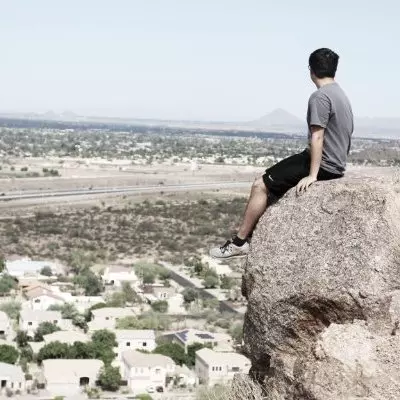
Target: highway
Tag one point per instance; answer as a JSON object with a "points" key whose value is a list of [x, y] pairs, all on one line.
{"points": [[41, 194]]}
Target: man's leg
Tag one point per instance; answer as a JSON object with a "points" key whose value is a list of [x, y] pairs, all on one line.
{"points": [[256, 206], [276, 181]]}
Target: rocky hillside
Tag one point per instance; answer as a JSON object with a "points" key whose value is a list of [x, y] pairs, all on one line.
{"points": [[323, 289]]}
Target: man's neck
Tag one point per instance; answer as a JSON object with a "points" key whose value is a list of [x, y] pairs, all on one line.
{"points": [[324, 81]]}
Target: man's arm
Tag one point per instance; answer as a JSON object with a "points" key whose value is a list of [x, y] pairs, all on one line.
{"points": [[316, 144]]}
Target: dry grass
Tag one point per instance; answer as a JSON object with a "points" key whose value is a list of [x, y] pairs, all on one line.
{"points": [[161, 229]]}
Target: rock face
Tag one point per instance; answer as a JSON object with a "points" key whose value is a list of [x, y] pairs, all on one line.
{"points": [[323, 287]]}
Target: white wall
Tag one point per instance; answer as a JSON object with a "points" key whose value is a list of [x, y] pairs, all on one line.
{"points": [[135, 344], [141, 378], [42, 303]]}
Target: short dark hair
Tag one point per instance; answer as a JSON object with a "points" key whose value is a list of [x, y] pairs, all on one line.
{"points": [[323, 63]]}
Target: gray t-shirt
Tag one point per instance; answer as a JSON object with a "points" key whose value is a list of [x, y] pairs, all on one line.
{"points": [[330, 108]]}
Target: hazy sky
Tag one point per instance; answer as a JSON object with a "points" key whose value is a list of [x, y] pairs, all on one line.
{"points": [[194, 59]]}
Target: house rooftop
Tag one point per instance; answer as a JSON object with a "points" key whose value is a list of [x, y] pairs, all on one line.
{"points": [[11, 372], [211, 357], [69, 371], [116, 312], [137, 359], [41, 291], [193, 335], [146, 334], [26, 266], [119, 269], [66, 337], [40, 316]]}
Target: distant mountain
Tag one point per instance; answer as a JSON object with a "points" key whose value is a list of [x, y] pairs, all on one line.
{"points": [[278, 118]]}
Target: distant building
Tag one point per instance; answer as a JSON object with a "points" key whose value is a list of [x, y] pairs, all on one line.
{"points": [[68, 337], [133, 339], [12, 378], [29, 320], [218, 368], [27, 267], [107, 317], [69, 377], [41, 298], [116, 275], [144, 371], [188, 337]]}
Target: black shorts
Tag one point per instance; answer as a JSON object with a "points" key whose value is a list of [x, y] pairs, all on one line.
{"points": [[289, 172]]}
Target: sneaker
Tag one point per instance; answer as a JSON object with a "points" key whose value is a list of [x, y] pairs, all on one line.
{"points": [[229, 250]]}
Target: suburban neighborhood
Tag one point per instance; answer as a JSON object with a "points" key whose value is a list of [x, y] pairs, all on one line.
{"points": [[144, 330]]}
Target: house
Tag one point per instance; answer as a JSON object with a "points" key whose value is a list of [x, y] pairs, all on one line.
{"points": [[144, 371], [41, 298], [107, 317], [5, 325], [116, 275], [29, 320], [27, 267], [214, 368], [188, 337], [11, 378], [69, 377], [69, 337], [132, 339]]}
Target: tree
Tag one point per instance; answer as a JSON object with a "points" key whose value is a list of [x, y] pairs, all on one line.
{"points": [[129, 323], [26, 353], [11, 308], [236, 331], [46, 271], [90, 282], [211, 281], [68, 310], [7, 283], [164, 274], [160, 306], [8, 354], [191, 352], [149, 277], [103, 342], [2, 263], [173, 350], [53, 350], [189, 295], [117, 299], [129, 293], [80, 350], [109, 378], [22, 338], [45, 328], [226, 282], [105, 338]]}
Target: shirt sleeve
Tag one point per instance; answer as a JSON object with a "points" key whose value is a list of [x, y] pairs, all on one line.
{"points": [[319, 110]]}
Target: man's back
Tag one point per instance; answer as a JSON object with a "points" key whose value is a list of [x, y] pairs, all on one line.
{"points": [[330, 107]]}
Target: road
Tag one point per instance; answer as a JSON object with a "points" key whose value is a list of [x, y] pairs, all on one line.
{"points": [[180, 279], [41, 194]]}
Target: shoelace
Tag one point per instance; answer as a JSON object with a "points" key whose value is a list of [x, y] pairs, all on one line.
{"points": [[226, 246]]}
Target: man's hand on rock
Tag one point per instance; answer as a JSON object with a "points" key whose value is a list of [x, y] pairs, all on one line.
{"points": [[304, 184]]}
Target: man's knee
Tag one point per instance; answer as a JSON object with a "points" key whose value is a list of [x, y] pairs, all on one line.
{"points": [[259, 185]]}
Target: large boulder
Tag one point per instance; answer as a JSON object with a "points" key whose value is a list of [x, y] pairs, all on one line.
{"points": [[323, 287]]}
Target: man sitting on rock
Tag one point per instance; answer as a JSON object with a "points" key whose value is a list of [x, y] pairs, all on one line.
{"points": [[330, 123]]}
